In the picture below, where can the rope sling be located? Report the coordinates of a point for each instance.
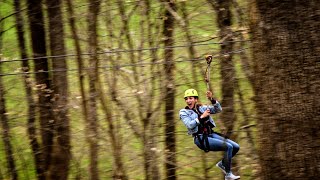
(204, 127)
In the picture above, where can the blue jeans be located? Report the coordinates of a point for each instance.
(219, 143)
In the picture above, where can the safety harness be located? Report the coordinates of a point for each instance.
(204, 129)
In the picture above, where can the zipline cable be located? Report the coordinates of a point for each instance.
(118, 66)
(117, 51)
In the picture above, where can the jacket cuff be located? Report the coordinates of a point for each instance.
(213, 101)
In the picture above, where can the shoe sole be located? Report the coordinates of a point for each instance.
(232, 179)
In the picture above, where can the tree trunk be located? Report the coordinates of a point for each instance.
(38, 41)
(31, 126)
(191, 49)
(81, 74)
(5, 129)
(119, 171)
(226, 64)
(92, 124)
(59, 167)
(286, 52)
(149, 124)
(170, 139)
(153, 138)
(6, 134)
(245, 60)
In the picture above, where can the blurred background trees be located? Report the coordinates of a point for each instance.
(92, 89)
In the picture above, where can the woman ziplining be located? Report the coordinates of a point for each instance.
(196, 117)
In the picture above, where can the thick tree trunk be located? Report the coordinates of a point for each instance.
(286, 52)
(43, 83)
(170, 139)
(59, 167)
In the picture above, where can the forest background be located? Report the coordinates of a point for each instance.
(92, 89)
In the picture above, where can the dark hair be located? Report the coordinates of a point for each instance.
(196, 97)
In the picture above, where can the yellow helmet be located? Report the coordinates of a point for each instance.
(190, 92)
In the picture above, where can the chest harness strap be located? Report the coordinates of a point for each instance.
(204, 129)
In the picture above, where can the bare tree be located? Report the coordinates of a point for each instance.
(43, 85)
(80, 64)
(286, 70)
(115, 136)
(151, 121)
(143, 88)
(92, 123)
(119, 169)
(243, 25)
(31, 122)
(169, 91)
(59, 166)
(192, 53)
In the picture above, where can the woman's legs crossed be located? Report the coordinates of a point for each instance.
(235, 145)
(216, 144)
(235, 149)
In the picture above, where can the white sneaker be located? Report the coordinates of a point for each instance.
(221, 167)
(230, 176)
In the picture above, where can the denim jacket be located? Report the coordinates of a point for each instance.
(188, 116)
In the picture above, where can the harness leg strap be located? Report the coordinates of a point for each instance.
(206, 148)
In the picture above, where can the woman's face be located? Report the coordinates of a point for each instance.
(191, 101)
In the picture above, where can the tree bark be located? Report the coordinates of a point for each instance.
(43, 83)
(170, 139)
(59, 166)
(286, 70)
(92, 124)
